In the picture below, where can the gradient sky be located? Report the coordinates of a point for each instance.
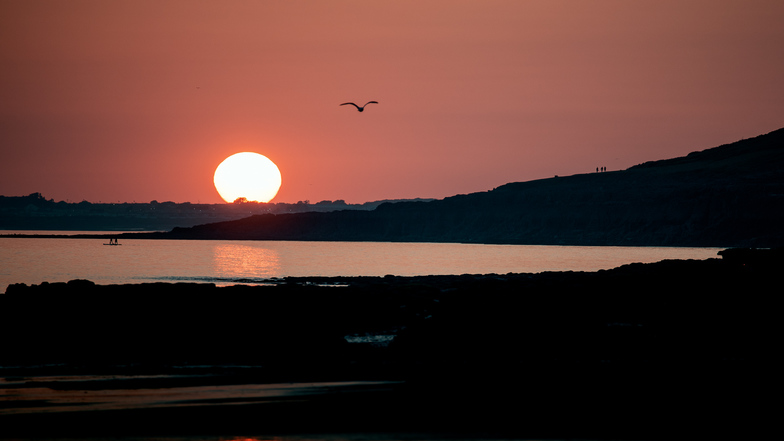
(123, 101)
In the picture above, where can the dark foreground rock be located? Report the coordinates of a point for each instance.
(641, 351)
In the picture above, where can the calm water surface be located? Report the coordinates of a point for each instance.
(316, 437)
(33, 261)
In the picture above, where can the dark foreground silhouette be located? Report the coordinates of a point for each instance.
(657, 350)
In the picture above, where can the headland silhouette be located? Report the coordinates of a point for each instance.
(727, 196)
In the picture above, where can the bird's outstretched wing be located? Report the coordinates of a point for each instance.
(351, 104)
(370, 102)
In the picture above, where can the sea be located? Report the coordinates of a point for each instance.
(230, 262)
(59, 259)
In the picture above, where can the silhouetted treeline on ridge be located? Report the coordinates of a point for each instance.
(35, 212)
(732, 195)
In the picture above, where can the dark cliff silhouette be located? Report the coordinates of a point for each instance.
(732, 195)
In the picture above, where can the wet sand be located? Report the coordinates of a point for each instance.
(95, 406)
(87, 393)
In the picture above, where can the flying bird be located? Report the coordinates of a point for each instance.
(361, 109)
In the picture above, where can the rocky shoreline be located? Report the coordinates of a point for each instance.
(639, 351)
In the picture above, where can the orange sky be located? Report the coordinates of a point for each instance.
(139, 100)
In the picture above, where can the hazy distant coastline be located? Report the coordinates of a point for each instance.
(35, 212)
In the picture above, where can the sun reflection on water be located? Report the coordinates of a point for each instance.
(236, 260)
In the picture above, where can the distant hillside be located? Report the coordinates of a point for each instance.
(732, 195)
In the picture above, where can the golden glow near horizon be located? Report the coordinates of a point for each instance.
(247, 175)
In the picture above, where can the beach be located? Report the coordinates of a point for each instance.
(642, 351)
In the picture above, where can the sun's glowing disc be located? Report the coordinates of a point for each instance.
(247, 175)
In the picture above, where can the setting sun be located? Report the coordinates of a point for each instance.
(247, 175)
